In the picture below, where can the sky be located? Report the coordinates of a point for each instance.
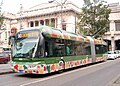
(13, 6)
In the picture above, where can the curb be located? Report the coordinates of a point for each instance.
(7, 72)
(112, 82)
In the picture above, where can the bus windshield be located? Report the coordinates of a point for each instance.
(25, 45)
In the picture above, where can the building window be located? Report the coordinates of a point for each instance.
(36, 23)
(52, 22)
(117, 24)
(64, 26)
(47, 22)
(41, 22)
(31, 24)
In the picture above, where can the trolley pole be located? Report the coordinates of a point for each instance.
(21, 10)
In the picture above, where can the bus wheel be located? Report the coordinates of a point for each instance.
(61, 66)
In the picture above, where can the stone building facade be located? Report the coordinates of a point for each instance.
(6, 32)
(50, 14)
(113, 35)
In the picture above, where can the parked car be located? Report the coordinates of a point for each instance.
(112, 55)
(118, 52)
(4, 58)
(7, 52)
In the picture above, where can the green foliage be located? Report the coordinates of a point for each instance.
(94, 16)
(1, 20)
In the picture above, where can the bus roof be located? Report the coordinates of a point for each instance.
(62, 34)
(57, 33)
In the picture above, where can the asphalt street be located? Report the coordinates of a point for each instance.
(5, 68)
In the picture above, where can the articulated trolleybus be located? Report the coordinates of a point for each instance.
(43, 49)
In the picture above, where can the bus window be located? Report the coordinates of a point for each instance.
(49, 44)
(68, 50)
(46, 49)
(100, 49)
(58, 48)
(40, 51)
(82, 48)
(69, 47)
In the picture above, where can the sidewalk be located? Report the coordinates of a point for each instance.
(115, 82)
(5, 68)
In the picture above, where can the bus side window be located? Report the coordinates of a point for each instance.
(68, 50)
(40, 52)
(46, 49)
(40, 49)
(49, 45)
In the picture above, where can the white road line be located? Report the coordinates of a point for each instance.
(64, 73)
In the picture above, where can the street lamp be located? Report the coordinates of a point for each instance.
(21, 9)
(61, 4)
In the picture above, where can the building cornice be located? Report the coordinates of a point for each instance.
(46, 14)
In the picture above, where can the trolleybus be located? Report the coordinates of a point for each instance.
(41, 50)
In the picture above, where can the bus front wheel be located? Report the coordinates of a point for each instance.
(61, 66)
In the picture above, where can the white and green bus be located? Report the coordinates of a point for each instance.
(41, 50)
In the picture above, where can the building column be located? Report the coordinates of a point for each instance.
(28, 24)
(50, 22)
(112, 30)
(59, 23)
(39, 24)
(44, 22)
(113, 44)
(112, 25)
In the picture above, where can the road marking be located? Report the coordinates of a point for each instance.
(64, 73)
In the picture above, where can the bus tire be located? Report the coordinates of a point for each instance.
(61, 66)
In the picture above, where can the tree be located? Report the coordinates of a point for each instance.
(94, 17)
(1, 21)
(1, 16)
